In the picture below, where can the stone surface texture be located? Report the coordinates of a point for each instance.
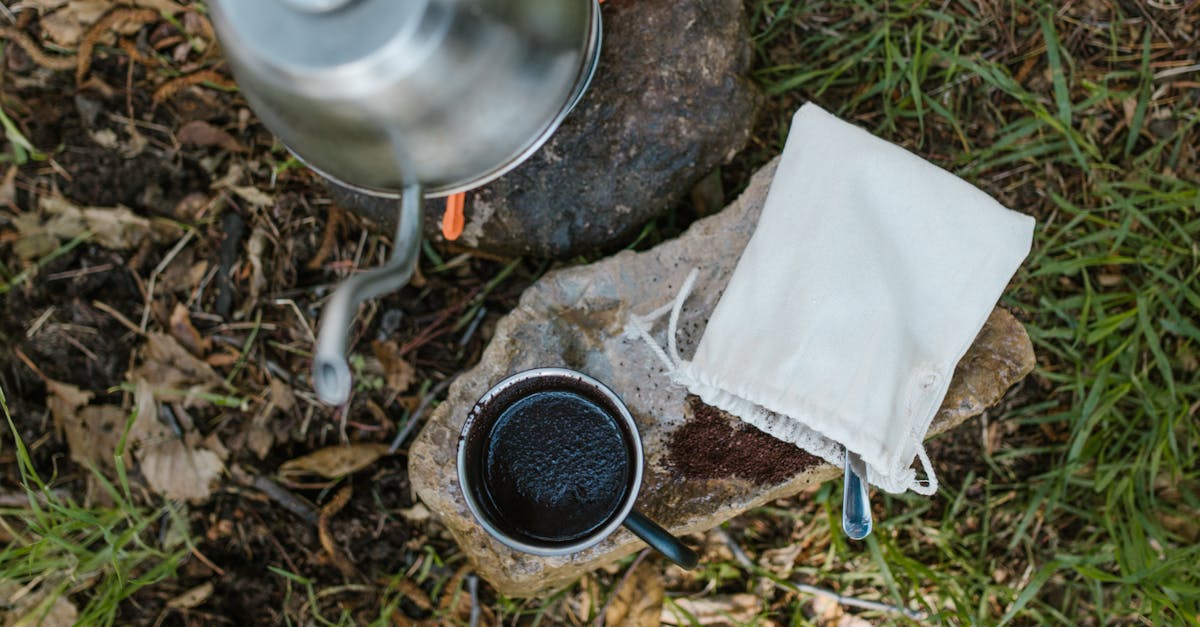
(575, 318)
(669, 102)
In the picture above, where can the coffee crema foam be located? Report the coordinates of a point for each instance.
(556, 466)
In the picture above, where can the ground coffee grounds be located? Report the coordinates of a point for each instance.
(713, 444)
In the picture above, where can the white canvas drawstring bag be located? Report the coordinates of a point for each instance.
(868, 276)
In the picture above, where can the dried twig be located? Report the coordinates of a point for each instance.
(131, 49)
(473, 326)
(173, 86)
(438, 326)
(625, 577)
(275, 541)
(415, 419)
(35, 52)
(284, 498)
(453, 588)
(118, 316)
(207, 562)
(853, 601)
(22, 499)
(162, 265)
(473, 587)
(334, 506)
(29, 363)
(332, 224)
(412, 592)
(744, 561)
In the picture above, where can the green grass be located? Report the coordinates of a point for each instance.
(95, 557)
(20, 151)
(1089, 506)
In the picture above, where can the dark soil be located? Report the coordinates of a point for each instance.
(243, 539)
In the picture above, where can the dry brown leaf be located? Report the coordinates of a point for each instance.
(105, 138)
(65, 398)
(66, 26)
(92, 432)
(416, 514)
(44, 6)
(57, 205)
(827, 611)
(195, 274)
(585, 600)
(8, 188)
(166, 364)
(164, 6)
(282, 395)
(782, 560)
(201, 133)
(638, 600)
(192, 598)
(1176, 513)
(223, 359)
(334, 461)
(192, 207)
(213, 443)
(253, 195)
(177, 471)
(182, 329)
(95, 434)
(259, 439)
(116, 228)
(255, 247)
(850, 620)
(232, 177)
(398, 374)
(31, 611)
(35, 241)
(733, 609)
(172, 467)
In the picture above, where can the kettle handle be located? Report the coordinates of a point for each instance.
(331, 373)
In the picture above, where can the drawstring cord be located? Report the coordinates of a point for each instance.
(639, 327)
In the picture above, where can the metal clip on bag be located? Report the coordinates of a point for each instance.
(869, 274)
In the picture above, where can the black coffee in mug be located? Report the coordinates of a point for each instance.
(556, 465)
(550, 463)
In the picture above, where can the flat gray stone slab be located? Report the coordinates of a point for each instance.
(575, 318)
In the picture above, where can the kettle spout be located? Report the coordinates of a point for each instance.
(331, 375)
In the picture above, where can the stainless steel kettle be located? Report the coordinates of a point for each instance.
(406, 98)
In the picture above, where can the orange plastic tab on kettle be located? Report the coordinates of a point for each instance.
(452, 219)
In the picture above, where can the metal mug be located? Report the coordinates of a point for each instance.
(550, 463)
(403, 98)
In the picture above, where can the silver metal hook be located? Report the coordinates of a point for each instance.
(331, 372)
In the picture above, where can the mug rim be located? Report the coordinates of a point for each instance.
(634, 445)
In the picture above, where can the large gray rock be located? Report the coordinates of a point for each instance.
(575, 318)
(669, 102)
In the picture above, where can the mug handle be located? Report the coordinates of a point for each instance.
(661, 540)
